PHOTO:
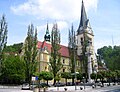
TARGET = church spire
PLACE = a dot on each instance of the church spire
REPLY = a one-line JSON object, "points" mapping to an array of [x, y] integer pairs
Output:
{"points": [[84, 21], [47, 35]]}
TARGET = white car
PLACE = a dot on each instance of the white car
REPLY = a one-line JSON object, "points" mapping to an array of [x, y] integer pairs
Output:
{"points": [[25, 86]]}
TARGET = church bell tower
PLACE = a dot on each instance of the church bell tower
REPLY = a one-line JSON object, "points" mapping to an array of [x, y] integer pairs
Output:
{"points": [[47, 35], [85, 38]]}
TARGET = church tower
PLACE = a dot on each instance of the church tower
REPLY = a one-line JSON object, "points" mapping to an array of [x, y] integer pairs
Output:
{"points": [[47, 35], [85, 36]]}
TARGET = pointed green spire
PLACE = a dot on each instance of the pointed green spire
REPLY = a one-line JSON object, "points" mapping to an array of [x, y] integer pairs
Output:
{"points": [[47, 30], [47, 35]]}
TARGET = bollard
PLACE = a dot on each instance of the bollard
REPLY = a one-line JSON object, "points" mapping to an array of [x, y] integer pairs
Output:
{"points": [[65, 89], [81, 88], [93, 86], [44, 89]]}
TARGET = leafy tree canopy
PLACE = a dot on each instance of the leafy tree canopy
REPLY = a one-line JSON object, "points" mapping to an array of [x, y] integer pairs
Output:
{"points": [[111, 56], [13, 70]]}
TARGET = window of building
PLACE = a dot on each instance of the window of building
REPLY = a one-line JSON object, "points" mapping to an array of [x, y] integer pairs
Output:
{"points": [[82, 41], [63, 70], [63, 61], [90, 42], [45, 67]]}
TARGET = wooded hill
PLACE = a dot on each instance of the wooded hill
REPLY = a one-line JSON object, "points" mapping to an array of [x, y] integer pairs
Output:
{"points": [[15, 48]]}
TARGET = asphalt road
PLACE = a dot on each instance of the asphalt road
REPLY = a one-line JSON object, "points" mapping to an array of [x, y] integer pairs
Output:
{"points": [[13, 90], [71, 89]]}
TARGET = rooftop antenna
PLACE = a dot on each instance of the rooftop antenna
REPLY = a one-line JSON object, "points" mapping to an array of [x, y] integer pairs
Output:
{"points": [[112, 41]]}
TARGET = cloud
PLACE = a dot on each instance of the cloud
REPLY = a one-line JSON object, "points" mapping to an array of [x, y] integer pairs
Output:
{"points": [[61, 26], [64, 12], [53, 9]]}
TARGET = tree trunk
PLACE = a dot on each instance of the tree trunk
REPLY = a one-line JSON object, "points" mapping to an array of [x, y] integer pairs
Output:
{"points": [[72, 81], [66, 81], [54, 82]]}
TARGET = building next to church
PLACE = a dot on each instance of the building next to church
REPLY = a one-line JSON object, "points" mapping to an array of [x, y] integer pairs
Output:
{"points": [[84, 31]]}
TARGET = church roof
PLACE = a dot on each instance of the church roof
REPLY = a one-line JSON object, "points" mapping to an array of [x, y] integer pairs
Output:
{"points": [[64, 50], [84, 21]]}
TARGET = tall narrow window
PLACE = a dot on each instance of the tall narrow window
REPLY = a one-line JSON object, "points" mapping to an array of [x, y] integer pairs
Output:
{"points": [[63, 61], [82, 41], [63, 70]]}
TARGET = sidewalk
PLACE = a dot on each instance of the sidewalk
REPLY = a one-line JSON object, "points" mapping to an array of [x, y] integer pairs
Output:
{"points": [[69, 89], [87, 89]]}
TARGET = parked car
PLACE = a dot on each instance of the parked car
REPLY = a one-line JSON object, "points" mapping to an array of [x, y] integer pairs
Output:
{"points": [[70, 84], [33, 86], [25, 86], [58, 84], [42, 85]]}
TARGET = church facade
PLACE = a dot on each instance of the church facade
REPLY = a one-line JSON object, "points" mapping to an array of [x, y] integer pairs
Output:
{"points": [[84, 33]]}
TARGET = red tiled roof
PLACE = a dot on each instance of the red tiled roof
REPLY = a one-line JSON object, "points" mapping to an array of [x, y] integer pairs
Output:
{"points": [[101, 68], [64, 50]]}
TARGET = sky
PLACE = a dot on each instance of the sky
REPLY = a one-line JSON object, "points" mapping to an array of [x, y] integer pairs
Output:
{"points": [[104, 16]]}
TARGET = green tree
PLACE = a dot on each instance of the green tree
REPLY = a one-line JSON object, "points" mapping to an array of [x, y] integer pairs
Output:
{"points": [[15, 48], [66, 75], [55, 60], [101, 75], [93, 76], [13, 70], [111, 56], [117, 74], [57, 77], [46, 75], [113, 76], [79, 76], [3, 37], [30, 52], [72, 51]]}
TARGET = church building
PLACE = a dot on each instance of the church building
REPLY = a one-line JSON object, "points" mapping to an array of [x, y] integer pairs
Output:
{"points": [[85, 42], [84, 34]]}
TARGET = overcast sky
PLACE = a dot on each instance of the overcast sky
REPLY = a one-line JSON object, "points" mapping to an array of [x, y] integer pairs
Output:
{"points": [[104, 16]]}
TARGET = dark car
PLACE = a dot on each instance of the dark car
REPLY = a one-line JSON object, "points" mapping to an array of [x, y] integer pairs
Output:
{"points": [[58, 84]]}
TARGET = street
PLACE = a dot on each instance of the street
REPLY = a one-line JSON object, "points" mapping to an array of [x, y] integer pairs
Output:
{"points": [[13, 90], [69, 89]]}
